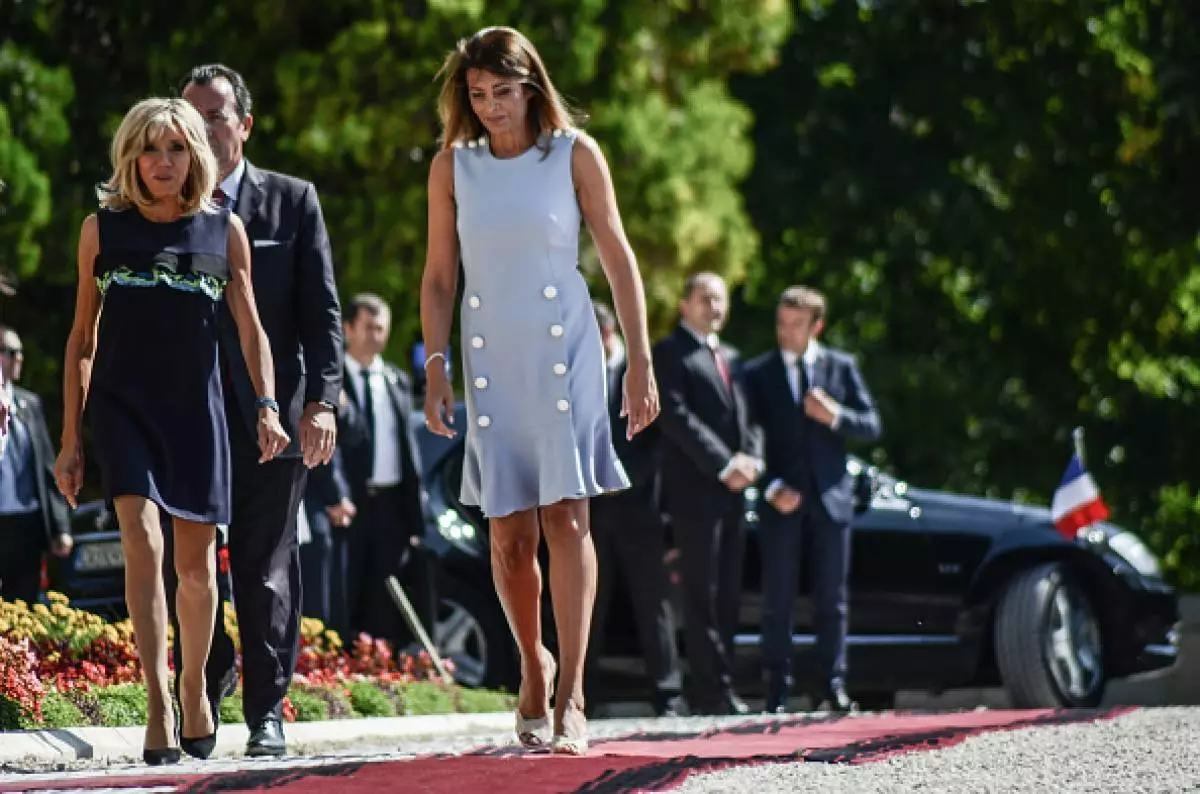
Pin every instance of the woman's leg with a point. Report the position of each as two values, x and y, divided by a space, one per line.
196 606
573 591
142 544
518 579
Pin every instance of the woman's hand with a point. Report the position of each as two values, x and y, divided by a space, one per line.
271 438
439 400
68 472
639 404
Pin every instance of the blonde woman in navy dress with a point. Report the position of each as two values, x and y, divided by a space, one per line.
507 194
153 264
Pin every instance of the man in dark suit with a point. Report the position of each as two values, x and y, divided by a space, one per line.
710 454
298 306
34 516
381 462
329 510
809 399
628 531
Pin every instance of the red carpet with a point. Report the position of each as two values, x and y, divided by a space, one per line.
638 762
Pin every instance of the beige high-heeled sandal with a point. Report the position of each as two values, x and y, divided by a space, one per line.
532 731
562 744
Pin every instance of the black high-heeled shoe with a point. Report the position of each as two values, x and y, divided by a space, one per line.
160 757
200 747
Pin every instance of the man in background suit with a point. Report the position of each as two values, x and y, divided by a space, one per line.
329 510
34 516
808 399
298 305
710 454
381 462
628 530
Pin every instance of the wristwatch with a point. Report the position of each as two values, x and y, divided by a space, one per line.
266 402
327 404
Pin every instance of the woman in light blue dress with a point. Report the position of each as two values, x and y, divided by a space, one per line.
507 195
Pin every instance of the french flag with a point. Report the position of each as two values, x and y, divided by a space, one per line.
1077 501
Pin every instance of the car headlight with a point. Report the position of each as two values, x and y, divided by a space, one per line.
457 531
1131 549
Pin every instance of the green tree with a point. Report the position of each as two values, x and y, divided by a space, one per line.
991 195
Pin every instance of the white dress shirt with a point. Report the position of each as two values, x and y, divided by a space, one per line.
232 184
387 470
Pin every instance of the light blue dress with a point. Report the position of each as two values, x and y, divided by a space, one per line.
533 361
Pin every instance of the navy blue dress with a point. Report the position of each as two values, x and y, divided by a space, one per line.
155 405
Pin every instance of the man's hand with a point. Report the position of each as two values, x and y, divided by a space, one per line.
786 500
744 471
820 407
342 513
61 546
318 434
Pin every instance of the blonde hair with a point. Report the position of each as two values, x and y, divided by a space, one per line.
145 122
507 53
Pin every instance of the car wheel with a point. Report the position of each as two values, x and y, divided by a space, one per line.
1048 643
472 632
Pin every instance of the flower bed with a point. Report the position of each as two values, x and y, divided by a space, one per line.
62 667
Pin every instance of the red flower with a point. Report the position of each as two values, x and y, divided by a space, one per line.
223 560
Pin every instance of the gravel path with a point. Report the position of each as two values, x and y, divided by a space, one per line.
1151 750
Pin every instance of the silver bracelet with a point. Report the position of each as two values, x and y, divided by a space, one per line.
432 356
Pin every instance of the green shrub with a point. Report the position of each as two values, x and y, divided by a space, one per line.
88 705
10 715
369 701
122 705
309 707
336 700
484 701
427 698
59 712
231 709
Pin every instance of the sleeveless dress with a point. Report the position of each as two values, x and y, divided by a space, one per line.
535 385
155 405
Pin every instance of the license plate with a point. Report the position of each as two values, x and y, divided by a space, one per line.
100 557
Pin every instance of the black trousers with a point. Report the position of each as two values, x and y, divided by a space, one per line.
22 541
629 534
264 572
709 531
375 547
316 566
780 540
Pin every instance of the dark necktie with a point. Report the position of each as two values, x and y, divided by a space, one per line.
220 198
369 410
802 384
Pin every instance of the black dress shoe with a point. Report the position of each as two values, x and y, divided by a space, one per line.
161 757
668 706
266 739
737 706
834 698
779 689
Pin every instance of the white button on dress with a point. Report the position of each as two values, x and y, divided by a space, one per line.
474 301
484 420
477 342
550 292
556 330
560 368
481 382
564 406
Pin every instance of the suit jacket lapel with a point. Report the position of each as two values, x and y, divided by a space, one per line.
250 195
820 377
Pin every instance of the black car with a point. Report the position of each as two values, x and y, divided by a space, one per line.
946 591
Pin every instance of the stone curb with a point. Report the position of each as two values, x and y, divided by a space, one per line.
304 738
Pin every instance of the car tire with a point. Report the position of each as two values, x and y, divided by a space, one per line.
471 631
1049 647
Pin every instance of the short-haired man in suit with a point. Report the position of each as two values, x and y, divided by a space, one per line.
382 465
628 530
710 453
809 399
34 516
298 304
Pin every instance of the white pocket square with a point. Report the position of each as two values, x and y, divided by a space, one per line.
266 243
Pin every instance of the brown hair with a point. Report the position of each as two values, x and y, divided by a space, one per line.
144 122
799 297
505 52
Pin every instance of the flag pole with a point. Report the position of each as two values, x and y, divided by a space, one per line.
1077 436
